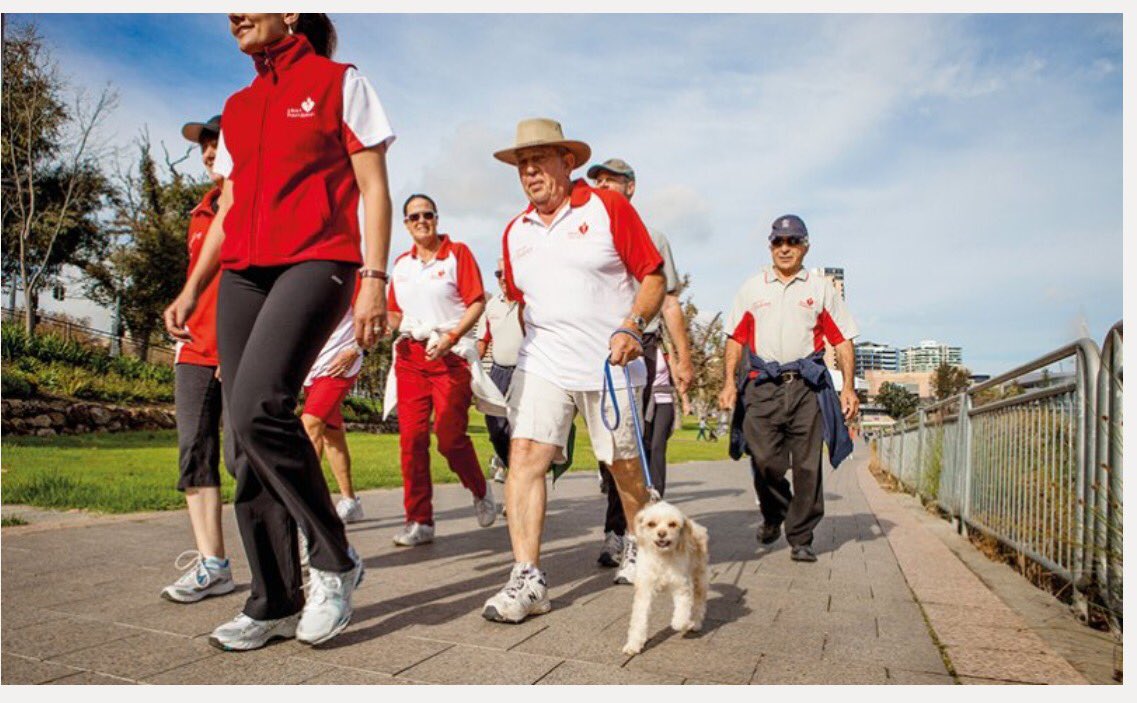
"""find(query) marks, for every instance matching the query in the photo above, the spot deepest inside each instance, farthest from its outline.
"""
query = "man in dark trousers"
(787, 404)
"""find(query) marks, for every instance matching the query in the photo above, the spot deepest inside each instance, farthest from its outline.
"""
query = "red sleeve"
(392, 301)
(633, 243)
(469, 276)
(511, 290)
(828, 327)
(744, 332)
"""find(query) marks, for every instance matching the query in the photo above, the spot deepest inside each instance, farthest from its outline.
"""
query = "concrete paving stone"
(993, 617)
(974, 681)
(905, 677)
(914, 655)
(388, 654)
(139, 656)
(584, 643)
(571, 673)
(340, 676)
(472, 628)
(464, 664)
(1028, 667)
(185, 619)
(57, 637)
(699, 658)
(834, 624)
(790, 670)
(25, 670)
(955, 634)
(805, 643)
(14, 617)
(88, 678)
(271, 665)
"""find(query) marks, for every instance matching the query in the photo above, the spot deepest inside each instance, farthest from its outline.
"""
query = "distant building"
(871, 356)
(928, 355)
(918, 382)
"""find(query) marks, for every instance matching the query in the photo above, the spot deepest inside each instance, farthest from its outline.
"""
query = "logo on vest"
(305, 109)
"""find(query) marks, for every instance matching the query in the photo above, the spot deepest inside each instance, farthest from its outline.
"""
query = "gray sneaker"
(350, 510)
(498, 467)
(627, 572)
(613, 552)
(243, 633)
(199, 581)
(414, 534)
(327, 607)
(485, 509)
(525, 594)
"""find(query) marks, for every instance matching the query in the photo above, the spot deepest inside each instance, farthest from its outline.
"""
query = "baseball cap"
(789, 226)
(616, 166)
(192, 130)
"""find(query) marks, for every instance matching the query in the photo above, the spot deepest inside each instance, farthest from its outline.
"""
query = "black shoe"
(768, 534)
(803, 553)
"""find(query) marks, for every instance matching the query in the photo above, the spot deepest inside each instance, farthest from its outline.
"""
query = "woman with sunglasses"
(435, 298)
(302, 146)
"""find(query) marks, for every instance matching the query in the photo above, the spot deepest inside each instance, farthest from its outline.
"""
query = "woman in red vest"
(301, 147)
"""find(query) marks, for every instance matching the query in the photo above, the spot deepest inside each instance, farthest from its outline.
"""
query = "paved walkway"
(80, 604)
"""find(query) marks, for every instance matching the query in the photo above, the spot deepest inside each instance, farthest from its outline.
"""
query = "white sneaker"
(485, 508)
(349, 510)
(327, 606)
(414, 534)
(525, 594)
(199, 581)
(242, 633)
(498, 468)
(627, 572)
(613, 552)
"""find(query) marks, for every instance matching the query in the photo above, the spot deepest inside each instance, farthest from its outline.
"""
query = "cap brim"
(580, 150)
(192, 130)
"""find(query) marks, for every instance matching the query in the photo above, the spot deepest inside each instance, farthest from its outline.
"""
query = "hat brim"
(598, 169)
(192, 130)
(581, 151)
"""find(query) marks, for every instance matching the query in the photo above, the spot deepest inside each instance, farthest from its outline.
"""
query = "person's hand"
(343, 362)
(728, 396)
(217, 372)
(684, 374)
(850, 404)
(624, 348)
(440, 347)
(370, 312)
(176, 314)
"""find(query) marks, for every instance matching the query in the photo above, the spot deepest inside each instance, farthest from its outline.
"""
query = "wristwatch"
(638, 321)
(373, 273)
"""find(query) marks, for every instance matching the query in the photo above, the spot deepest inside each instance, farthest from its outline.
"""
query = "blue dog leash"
(609, 391)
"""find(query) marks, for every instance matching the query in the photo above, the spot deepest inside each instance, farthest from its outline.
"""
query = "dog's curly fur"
(671, 556)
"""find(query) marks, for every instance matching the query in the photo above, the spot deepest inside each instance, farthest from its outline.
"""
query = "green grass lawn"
(135, 471)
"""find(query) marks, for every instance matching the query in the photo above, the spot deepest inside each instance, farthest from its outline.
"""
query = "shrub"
(16, 384)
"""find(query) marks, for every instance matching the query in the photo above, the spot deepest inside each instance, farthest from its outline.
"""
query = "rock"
(58, 419)
(114, 426)
(45, 432)
(39, 421)
(81, 428)
(100, 416)
(79, 415)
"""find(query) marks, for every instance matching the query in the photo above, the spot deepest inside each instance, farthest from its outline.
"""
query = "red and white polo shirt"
(784, 322)
(201, 350)
(286, 145)
(576, 277)
(435, 292)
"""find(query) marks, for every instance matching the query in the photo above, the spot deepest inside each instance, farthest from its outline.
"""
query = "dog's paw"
(632, 648)
(680, 624)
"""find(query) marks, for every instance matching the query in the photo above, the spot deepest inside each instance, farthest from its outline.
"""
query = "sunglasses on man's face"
(778, 242)
(427, 216)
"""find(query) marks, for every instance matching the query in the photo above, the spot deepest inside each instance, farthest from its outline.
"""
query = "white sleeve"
(222, 162)
(365, 121)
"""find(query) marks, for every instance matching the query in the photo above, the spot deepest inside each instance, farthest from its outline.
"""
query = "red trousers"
(444, 386)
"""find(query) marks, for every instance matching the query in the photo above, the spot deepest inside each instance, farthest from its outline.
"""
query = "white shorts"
(541, 411)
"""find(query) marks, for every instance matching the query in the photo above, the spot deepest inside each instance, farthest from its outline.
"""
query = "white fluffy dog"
(672, 556)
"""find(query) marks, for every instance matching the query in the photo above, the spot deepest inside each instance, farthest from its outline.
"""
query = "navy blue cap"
(789, 226)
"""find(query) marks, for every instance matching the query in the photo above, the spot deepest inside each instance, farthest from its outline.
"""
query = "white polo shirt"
(435, 292)
(784, 322)
(501, 325)
(342, 337)
(576, 278)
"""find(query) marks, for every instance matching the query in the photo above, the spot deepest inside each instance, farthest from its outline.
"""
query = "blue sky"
(965, 170)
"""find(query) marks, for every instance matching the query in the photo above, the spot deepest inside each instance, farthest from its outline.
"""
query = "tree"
(147, 260)
(948, 381)
(897, 401)
(707, 341)
(53, 188)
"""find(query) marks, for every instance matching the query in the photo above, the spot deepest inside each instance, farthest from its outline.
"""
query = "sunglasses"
(426, 215)
(792, 241)
(497, 273)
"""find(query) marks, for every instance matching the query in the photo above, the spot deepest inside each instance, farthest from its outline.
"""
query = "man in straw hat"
(571, 260)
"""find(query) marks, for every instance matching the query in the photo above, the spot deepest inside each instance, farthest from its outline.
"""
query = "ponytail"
(320, 32)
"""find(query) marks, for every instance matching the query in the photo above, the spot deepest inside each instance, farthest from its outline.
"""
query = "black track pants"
(271, 325)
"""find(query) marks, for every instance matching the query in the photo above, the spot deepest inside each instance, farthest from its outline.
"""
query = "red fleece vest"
(294, 191)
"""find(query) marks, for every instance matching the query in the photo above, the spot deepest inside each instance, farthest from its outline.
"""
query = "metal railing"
(68, 330)
(1040, 471)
